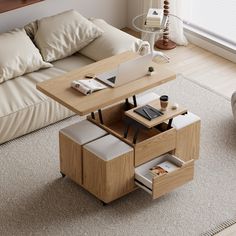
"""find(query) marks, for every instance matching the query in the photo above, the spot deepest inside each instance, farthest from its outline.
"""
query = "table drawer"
(157, 145)
(160, 185)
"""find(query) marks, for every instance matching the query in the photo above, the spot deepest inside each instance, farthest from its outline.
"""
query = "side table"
(152, 31)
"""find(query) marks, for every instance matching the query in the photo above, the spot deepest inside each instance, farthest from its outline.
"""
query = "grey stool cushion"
(233, 104)
(182, 121)
(83, 132)
(108, 147)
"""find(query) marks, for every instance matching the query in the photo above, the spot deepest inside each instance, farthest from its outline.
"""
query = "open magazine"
(163, 168)
(87, 86)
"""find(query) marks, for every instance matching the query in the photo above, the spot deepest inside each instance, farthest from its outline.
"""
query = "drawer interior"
(143, 175)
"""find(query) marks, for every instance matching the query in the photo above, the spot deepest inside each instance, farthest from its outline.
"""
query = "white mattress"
(24, 109)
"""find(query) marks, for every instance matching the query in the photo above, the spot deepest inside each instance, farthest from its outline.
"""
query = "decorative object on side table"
(152, 31)
(165, 43)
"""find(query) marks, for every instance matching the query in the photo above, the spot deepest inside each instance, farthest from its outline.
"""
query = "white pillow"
(62, 35)
(18, 55)
(112, 42)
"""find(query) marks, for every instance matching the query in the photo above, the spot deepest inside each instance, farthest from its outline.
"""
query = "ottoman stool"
(188, 136)
(108, 168)
(71, 140)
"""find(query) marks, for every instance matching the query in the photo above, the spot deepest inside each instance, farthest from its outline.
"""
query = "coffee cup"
(164, 102)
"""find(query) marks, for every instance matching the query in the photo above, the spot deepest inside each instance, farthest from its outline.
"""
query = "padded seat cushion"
(24, 109)
(83, 132)
(108, 147)
(182, 121)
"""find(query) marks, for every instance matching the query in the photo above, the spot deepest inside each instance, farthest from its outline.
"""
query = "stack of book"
(154, 18)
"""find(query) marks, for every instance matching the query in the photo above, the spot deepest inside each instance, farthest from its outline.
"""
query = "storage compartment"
(166, 182)
(150, 142)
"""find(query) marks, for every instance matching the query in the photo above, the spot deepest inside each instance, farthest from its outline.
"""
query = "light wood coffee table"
(150, 146)
(60, 90)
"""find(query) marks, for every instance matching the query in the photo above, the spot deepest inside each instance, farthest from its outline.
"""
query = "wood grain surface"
(8, 5)
(60, 90)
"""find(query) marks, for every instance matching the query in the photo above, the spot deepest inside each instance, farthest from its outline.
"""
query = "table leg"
(93, 115)
(169, 123)
(136, 136)
(135, 101)
(153, 51)
(126, 131)
(100, 116)
(127, 104)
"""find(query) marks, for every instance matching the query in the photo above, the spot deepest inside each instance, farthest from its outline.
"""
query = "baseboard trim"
(211, 45)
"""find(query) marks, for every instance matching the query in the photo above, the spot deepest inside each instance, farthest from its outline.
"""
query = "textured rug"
(34, 200)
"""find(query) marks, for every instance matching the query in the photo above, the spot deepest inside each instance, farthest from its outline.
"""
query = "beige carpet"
(34, 200)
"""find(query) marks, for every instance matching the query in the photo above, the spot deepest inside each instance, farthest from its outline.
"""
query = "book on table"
(87, 86)
(154, 17)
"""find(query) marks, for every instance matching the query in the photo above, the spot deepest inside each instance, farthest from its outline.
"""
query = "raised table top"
(60, 90)
(168, 114)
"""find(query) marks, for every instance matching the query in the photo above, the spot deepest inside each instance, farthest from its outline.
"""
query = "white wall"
(137, 7)
(113, 11)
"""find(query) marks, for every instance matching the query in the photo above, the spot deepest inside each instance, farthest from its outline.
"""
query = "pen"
(147, 113)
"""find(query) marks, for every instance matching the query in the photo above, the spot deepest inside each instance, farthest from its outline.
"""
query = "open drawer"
(160, 185)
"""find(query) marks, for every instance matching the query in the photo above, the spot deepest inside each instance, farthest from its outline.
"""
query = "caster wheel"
(104, 204)
(63, 175)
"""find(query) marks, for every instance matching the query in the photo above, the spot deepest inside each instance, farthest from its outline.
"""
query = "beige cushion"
(24, 109)
(182, 121)
(62, 35)
(18, 55)
(112, 42)
(83, 132)
(108, 147)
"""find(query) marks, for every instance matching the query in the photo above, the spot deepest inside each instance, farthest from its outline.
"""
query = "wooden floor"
(204, 67)
(231, 231)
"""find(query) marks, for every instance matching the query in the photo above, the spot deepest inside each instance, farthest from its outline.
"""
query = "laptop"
(127, 71)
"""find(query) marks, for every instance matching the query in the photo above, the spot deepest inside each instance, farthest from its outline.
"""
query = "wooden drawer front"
(160, 185)
(155, 146)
